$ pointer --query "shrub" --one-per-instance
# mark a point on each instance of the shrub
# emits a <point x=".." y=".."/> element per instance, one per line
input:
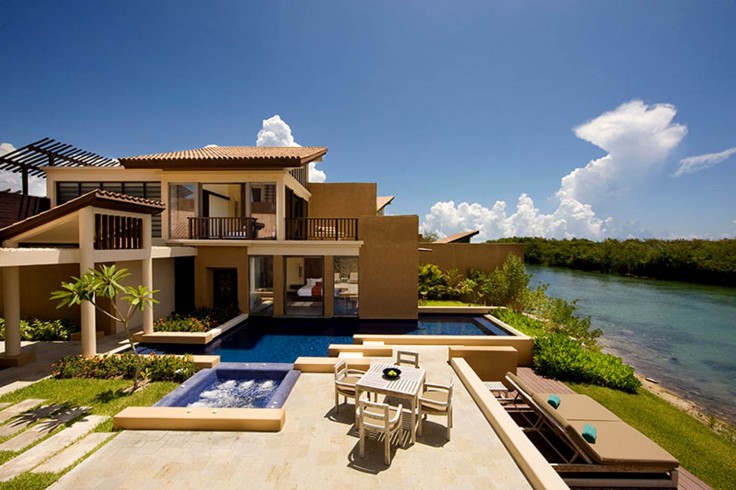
<point x="200" y="320"/>
<point x="35" y="329"/>
<point x="561" y="357"/>
<point x="521" y="322"/>
<point x="434" y="284"/>
<point x="123" y="366"/>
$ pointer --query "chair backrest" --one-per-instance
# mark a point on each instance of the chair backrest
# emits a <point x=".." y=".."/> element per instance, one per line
<point x="407" y="357"/>
<point x="353" y="278"/>
<point x="341" y="369"/>
<point x="337" y="277"/>
<point x="379" y="412"/>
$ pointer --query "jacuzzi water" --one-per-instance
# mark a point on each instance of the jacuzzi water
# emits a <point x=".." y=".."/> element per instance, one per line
<point x="234" y="393"/>
<point x="235" y="385"/>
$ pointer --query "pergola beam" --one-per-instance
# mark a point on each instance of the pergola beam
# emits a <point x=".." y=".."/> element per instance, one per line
<point x="29" y="160"/>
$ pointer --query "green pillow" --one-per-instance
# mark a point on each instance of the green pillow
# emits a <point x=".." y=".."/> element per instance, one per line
<point x="554" y="400"/>
<point x="590" y="433"/>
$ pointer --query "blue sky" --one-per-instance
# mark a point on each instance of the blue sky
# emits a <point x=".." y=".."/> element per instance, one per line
<point x="546" y="118"/>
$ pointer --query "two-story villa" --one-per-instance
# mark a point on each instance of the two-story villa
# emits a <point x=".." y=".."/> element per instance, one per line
<point x="217" y="226"/>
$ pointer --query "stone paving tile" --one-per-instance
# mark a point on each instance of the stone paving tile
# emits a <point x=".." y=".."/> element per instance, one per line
<point x="19" y="423"/>
<point x="316" y="449"/>
<point x="19" y="408"/>
<point x="41" y="429"/>
<point x="38" y="454"/>
<point x="68" y="456"/>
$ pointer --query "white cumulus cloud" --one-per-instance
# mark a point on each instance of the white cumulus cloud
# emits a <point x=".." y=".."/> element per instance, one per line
<point x="637" y="139"/>
<point x="275" y="132"/>
<point x="690" y="165"/>
<point x="12" y="181"/>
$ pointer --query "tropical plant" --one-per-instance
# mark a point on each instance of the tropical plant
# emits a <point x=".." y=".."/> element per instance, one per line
<point x="124" y="366"/>
<point x="48" y="330"/>
<point x="561" y="357"/>
<point x="106" y="283"/>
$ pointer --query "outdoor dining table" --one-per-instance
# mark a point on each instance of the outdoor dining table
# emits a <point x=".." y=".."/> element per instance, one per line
<point x="407" y="386"/>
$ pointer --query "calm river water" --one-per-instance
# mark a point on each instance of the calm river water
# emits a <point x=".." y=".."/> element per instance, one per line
<point x="681" y="334"/>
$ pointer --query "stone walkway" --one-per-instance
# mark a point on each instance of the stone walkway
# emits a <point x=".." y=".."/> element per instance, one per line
<point x="316" y="449"/>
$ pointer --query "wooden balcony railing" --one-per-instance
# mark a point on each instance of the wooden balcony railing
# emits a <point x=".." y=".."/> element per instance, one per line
<point x="224" y="228"/>
<point x="118" y="232"/>
<point x="321" y="228"/>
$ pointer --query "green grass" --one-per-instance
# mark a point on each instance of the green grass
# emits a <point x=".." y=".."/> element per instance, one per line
<point x="708" y="455"/>
<point x="104" y="396"/>
<point x="445" y="302"/>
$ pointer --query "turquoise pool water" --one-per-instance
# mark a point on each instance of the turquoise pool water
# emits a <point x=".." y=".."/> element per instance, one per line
<point x="283" y="340"/>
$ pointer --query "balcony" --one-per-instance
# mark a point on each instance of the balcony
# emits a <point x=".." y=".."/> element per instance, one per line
<point x="321" y="229"/>
<point x="230" y="228"/>
<point x="224" y="229"/>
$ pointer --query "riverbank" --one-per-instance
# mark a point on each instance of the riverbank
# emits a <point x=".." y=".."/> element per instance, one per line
<point x="682" y="335"/>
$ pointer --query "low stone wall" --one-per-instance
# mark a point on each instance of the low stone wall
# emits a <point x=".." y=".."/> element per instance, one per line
<point x="523" y="344"/>
<point x="531" y="462"/>
<point x="189" y="338"/>
<point x="201" y="418"/>
<point x="490" y="363"/>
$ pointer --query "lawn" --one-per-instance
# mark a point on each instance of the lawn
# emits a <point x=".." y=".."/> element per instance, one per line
<point x="105" y="397"/>
<point x="444" y="302"/>
<point x="708" y="455"/>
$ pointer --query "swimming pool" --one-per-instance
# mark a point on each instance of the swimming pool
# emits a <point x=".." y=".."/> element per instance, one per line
<point x="283" y="340"/>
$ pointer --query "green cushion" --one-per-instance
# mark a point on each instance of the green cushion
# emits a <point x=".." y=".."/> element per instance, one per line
<point x="554" y="400"/>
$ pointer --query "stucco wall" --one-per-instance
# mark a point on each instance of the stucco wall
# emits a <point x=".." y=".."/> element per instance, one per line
<point x="466" y="256"/>
<point x="163" y="281"/>
<point x="36" y="285"/>
<point x="209" y="258"/>
<point x="388" y="267"/>
<point x="343" y="200"/>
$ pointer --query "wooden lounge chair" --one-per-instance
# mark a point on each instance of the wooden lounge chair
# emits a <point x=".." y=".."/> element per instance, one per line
<point x="345" y="380"/>
<point x="380" y="418"/>
<point x="406" y="357"/>
<point x="621" y="456"/>
<point x="436" y="400"/>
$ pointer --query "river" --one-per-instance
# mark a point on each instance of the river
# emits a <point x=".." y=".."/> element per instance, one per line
<point x="681" y="334"/>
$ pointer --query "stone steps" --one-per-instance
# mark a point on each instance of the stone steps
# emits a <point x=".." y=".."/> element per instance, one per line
<point x="71" y="454"/>
<point x="19" y="423"/>
<point x="48" y="448"/>
<point x="18" y="409"/>
<point x="41" y="429"/>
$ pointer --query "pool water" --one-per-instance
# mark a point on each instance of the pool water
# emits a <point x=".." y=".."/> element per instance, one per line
<point x="283" y="340"/>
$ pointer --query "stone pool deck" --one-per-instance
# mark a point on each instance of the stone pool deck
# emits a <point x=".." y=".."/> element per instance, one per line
<point x="316" y="449"/>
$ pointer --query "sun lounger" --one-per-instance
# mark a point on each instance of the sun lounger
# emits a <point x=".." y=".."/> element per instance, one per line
<point x="620" y="455"/>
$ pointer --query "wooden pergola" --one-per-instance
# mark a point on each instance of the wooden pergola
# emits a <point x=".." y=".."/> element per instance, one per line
<point x="30" y="159"/>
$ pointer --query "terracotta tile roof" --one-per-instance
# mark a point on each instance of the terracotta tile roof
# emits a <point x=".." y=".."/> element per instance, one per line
<point x="230" y="157"/>
<point x="463" y="237"/>
<point x="98" y="198"/>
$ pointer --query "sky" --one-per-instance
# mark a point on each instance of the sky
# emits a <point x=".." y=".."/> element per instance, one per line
<point x="557" y="119"/>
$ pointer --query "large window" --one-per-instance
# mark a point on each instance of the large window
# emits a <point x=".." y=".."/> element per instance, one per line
<point x="261" y="285"/>
<point x="182" y="205"/>
<point x="346" y="286"/>
<point x="304" y="295"/>
<point x="66" y="191"/>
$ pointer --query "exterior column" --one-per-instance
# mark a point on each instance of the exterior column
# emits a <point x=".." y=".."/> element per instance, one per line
<point x="147" y="272"/>
<point x="87" y="262"/>
<point x="280" y="210"/>
<point x="11" y="302"/>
